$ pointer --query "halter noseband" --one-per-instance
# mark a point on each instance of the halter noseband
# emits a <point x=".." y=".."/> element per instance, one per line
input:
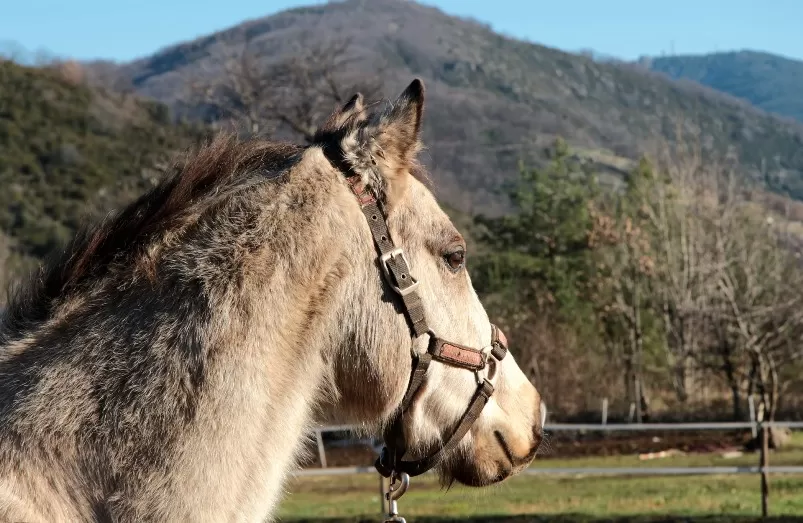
<point x="396" y="271"/>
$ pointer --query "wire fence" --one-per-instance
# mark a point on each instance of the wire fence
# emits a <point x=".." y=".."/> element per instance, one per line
<point x="756" y="427"/>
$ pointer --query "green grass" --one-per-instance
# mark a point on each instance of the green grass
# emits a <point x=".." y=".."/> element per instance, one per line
<point x="357" y="496"/>
<point x="790" y="457"/>
<point x="682" y="498"/>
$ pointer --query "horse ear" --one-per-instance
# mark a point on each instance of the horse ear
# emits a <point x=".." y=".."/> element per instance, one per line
<point x="390" y="139"/>
<point x="398" y="130"/>
<point x="351" y="113"/>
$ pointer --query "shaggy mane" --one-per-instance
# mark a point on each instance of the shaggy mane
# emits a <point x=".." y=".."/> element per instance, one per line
<point x="122" y="236"/>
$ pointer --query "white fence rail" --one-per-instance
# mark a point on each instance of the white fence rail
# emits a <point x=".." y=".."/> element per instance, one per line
<point x="591" y="471"/>
<point x="755" y="427"/>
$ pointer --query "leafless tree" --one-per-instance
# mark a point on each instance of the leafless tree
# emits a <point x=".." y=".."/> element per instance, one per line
<point x="760" y="285"/>
<point x="678" y="207"/>
<point x="295" y="93"/>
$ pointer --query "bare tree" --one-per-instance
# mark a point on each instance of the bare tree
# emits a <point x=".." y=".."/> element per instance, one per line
<point x="623" y="288"/>
<point x="678" y="207"/>
<point x="760" y="286"/>
<point x="295" y="93"/>
<point x="725" y="283"/>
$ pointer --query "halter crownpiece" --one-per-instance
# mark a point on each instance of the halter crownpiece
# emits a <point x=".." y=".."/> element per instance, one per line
<point x="395" y="269"/>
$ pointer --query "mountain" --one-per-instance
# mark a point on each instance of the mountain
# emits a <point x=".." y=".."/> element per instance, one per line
<point x="67" y="151"/>
<point x="493" y="100"/>
<point x="69" y="147"/>
<point x="773" y="83"/>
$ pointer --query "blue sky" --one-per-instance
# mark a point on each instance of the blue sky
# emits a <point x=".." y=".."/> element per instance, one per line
<point x="124" y="29"/>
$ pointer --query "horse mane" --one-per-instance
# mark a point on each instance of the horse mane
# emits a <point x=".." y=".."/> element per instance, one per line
<point x="123" y="235"/>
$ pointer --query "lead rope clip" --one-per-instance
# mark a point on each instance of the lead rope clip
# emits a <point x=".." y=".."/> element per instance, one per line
<point x="396" y="489"/>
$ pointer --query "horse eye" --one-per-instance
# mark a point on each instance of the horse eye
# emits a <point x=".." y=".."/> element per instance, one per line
<point x="456" y="260"/>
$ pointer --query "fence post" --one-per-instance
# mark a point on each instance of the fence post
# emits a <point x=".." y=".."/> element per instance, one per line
<point x="321" y="453"/>
<point x="604" y="411"/>
<point x="764" y="468"/>
<point x="637" y="404"/>
<point x="752" y="407"/>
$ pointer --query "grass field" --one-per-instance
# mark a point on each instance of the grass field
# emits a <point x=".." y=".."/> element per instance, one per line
<point x="587" y="499"/>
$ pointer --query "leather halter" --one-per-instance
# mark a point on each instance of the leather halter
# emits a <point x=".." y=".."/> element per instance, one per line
<point x="396" y="271"/>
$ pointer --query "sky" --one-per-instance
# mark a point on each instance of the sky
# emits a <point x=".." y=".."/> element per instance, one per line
<point x="124" y="30"/>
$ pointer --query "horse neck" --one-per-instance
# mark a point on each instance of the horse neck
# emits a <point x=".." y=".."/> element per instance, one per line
<point x="268" y="374"/>
<point x="203" y="389"/>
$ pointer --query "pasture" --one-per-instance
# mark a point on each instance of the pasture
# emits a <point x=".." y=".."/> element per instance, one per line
<point x="568" y="498"/>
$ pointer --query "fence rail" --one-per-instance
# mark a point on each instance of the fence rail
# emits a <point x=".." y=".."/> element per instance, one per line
<point x="712" y="425"/>
<point x="590" y="427"/>
<point x="756" y="427"/>
<point x="638" y="427"/>
<point x="590" y="471"/>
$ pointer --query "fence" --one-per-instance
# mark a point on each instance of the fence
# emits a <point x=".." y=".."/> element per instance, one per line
<point x="763" y="468"/>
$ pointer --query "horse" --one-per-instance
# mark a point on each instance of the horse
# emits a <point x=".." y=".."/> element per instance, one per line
<point x="169" y="361"/>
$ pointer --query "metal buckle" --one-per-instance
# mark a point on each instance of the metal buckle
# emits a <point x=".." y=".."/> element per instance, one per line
<point x="384" y="259"/>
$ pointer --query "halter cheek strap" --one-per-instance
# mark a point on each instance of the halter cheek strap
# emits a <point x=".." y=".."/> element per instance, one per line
<point x="396" y="271"/>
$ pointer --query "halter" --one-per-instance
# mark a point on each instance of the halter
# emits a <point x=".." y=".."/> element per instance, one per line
<point x="396" y="270"/>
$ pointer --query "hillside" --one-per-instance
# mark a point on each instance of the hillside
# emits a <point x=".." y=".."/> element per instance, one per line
<point x="67" y="151"/>
<point x="555" y="275"/>
<point x="773" y="83"/>
<point x="494" y="100"/>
